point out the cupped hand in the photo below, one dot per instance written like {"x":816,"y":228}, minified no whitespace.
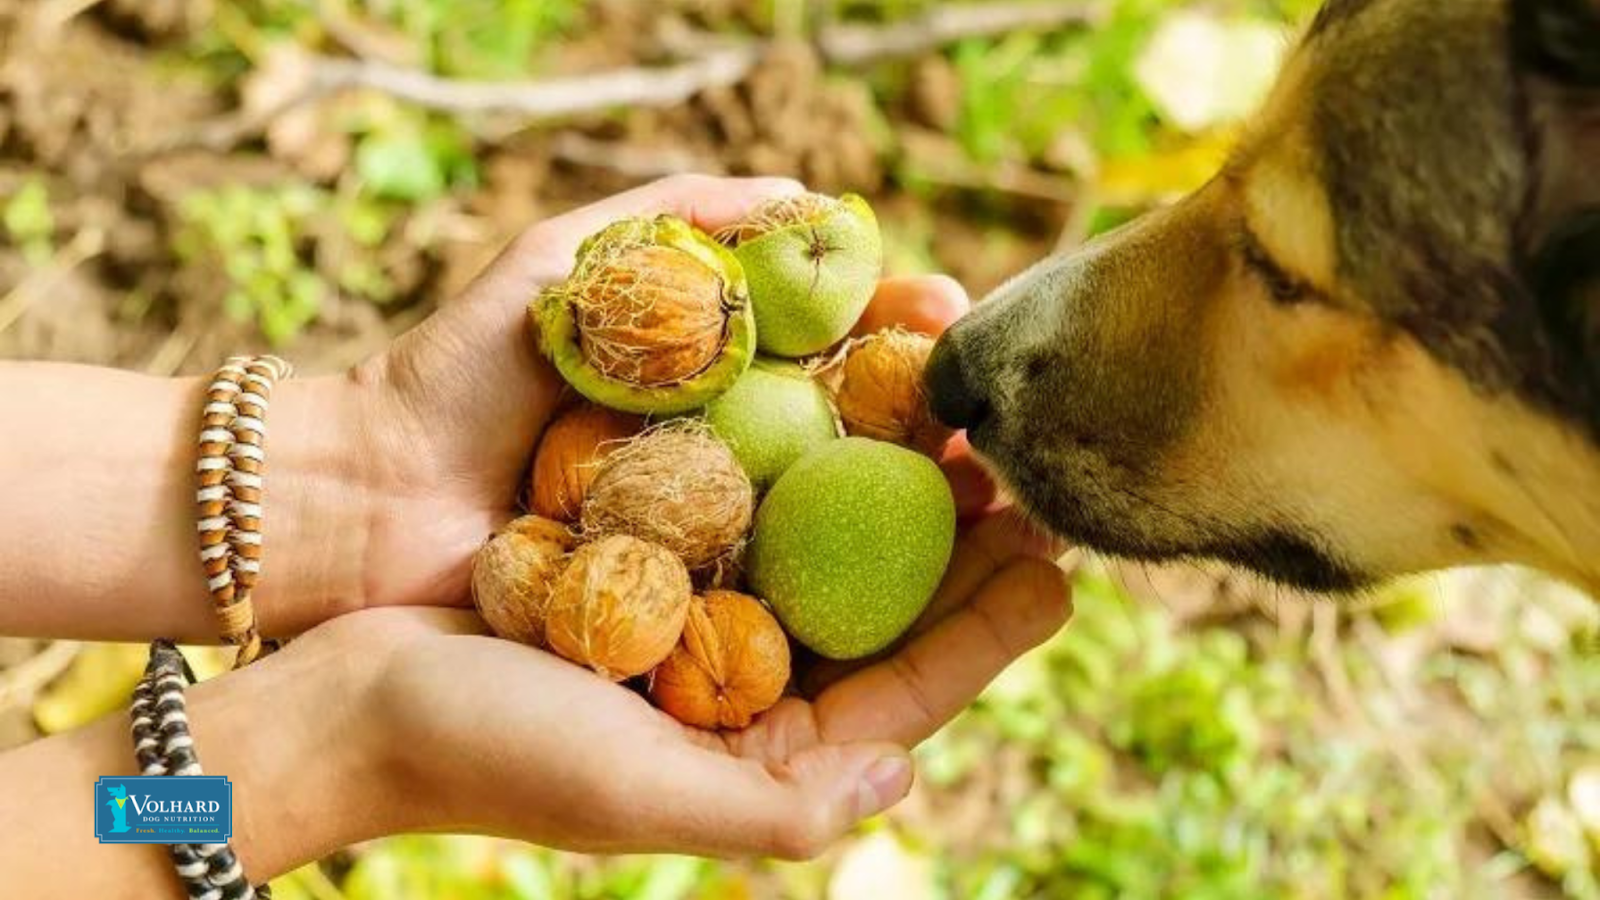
{"x":498,"y":737}
{"x":462,"y":399}
{"x":488,"y":736}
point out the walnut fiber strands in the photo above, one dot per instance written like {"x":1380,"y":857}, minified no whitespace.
{"x":647,"y":314}
{"x":675,"y":485}
{"x":772,"y":215}
{"x":619,"y":606}
{"x":876,"y":385}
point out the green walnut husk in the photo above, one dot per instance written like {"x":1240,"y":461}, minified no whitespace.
{"x":771,"y":417}
{"x":655,"y":318}
{"x":851,"y":543}
{"x":813,"y":263}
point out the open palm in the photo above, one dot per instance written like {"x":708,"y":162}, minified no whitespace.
{"x":504,"y":739}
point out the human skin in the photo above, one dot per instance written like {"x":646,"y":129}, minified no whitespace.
{"x":381,"y":483}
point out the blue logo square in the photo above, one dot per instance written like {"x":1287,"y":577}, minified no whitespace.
{"x":156,"y":809}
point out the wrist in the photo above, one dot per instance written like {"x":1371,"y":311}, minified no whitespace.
{"x":320,"y":501}
{"x":296,"y":734}
{"x":292,"y":733}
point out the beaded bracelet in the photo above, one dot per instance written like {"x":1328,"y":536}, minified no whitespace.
{"x":163,"y":746}
{"x":228,"y":498}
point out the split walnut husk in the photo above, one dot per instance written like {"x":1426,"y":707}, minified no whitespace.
{"x":655,"y":318}
{"x":876,"y":385}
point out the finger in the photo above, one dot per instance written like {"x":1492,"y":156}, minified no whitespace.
{"x":912,"y":694}
{"x":926,"y":304}
{"x":716,"y":804}
{"x":544,"y":252}
{"x":974,"y":489}
{"x":991,"y":545}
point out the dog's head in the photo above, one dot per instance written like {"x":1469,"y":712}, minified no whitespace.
{"x":1370,"y":345}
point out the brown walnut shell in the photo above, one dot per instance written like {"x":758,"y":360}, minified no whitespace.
{"x":512,"y":575}
{"x":618,"y":607}
{"x":731,"y":664}
{"x":569,"y":455}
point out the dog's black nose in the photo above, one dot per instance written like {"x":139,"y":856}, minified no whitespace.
{"x":952,"y":396}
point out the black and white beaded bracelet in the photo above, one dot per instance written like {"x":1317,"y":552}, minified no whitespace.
{"x":163,"y":745}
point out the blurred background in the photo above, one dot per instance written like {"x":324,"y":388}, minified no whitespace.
{"x":180,"y":179}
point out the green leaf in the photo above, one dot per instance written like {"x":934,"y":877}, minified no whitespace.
{"x":29,"y":222}
{"x":399,"y":166}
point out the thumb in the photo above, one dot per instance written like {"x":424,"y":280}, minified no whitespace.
{"x":792,"y":809}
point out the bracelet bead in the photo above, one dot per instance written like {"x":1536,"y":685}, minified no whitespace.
{"x":163,"y":746}
{"x":228,"y":495}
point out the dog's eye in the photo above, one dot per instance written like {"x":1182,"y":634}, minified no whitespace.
{"x":1283,"y":287}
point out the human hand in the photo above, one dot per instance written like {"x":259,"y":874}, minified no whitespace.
{"x":386,"y":721}
{"x":476,"y":734}
{"x":459,"y":402}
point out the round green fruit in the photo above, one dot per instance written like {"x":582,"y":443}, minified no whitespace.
{"x":773,"y":415}
{"x":851,"y":543}
{"x":813,"y":262}
{"x":655,"y":318}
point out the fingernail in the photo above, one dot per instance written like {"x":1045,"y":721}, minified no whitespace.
{"x":882,"y":785}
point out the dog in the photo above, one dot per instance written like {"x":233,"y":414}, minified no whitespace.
{"x":1370,"y":345}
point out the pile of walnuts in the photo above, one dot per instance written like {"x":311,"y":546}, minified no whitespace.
{"x":629,"y":556}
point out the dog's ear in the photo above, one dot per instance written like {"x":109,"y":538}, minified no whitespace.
{"x":1565,"y":276}
{"x":1559,"y":39}
{"x":1556,"y":44}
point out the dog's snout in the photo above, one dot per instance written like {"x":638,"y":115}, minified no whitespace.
{"x":956,"y":400}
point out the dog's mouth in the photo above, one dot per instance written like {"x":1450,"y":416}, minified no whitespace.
{"x":1078,"y":499}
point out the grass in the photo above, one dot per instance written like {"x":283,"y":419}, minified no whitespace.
{"x":1136,"y":757}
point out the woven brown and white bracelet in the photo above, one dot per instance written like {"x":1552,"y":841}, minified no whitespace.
{"x":230,"y":467}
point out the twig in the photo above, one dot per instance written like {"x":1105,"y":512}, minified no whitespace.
{"x":939,"y":160}
{"x":1325,"y":656}
{"x":172,"y":352}
{"x":847,"y":45}
{"x":226,"y":132}
{"x":24,"y":679}
{"x":636,"y":86}
{"x":640,"y":86}
{"x":85,"y":245}
{"x":1005,"y":178}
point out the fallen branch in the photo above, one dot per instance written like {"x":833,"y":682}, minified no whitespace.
{"x":847,"y":45}
{"x":641,"y":86}
{"x":715,"y":63}
{"x":41,"y":280}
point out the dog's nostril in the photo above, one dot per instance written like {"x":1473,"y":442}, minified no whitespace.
{"x":952,"y":396}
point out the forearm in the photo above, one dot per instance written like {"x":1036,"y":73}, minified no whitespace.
{"x":307,"y":778}
{"x":97,"y":482}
